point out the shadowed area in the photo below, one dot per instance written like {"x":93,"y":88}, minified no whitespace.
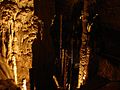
{"x":43,"y":61}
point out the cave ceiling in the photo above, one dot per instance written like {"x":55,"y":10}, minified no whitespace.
{"x":109,"y":11}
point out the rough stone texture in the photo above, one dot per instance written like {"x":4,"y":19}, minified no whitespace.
{"x":8,"y":85}
{"x":109,"y":70}
{"x":23,"y":25}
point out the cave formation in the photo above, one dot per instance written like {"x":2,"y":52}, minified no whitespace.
{"x":59,"y":44}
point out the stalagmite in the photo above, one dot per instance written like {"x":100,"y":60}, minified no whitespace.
{"x":24,"y":87}
{"x":56,"y":81}
{"x":85,"y":49}
{"x":14,"y":68}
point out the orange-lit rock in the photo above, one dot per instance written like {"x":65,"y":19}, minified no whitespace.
{"x":18,"y":43}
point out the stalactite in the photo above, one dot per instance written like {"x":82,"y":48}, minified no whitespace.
{"x":10,"y":42}
{"x":3,"y":46}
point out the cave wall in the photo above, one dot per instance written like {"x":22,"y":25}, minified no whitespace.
{"x":18,"y":27}
{"x":107,"y":38}
{"x":109,"y":69}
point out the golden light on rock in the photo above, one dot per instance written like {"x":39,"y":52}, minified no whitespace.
{"x":18,"y":29}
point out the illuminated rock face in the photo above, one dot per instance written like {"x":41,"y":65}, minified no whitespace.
{"x":18,"y":30}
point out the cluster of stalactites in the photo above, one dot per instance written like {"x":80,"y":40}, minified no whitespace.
{"x":18,"y":29}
